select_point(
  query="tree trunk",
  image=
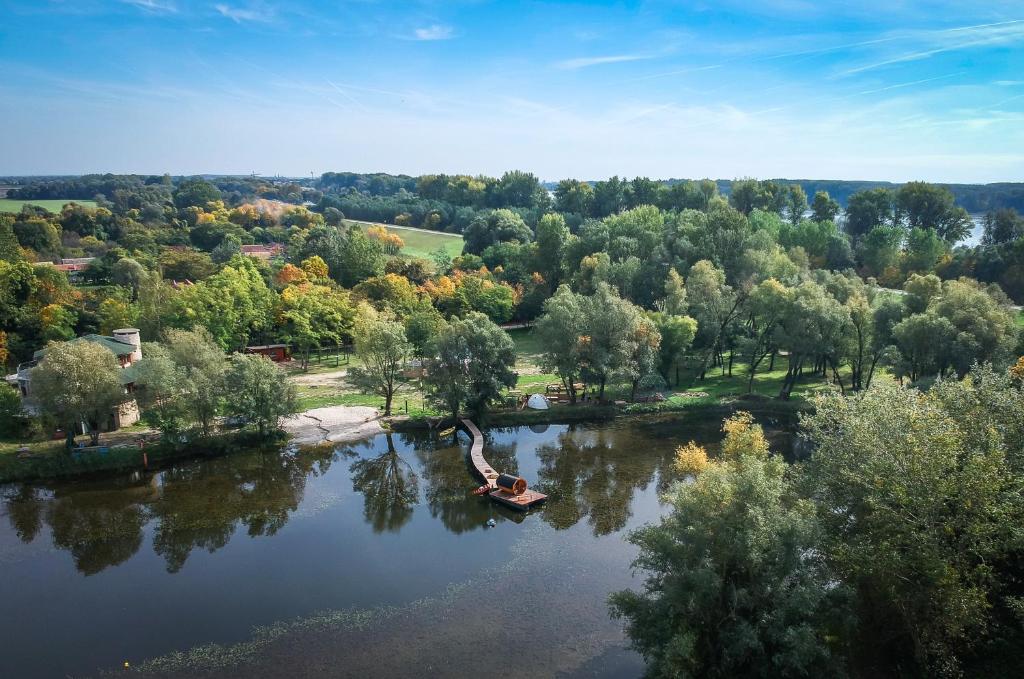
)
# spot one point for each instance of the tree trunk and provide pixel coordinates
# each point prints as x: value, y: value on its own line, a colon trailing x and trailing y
x: 69, y: 437
x: 792, y: 375
x: 388, y: 396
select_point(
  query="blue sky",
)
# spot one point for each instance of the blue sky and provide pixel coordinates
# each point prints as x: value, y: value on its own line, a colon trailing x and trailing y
x: 872, y: 89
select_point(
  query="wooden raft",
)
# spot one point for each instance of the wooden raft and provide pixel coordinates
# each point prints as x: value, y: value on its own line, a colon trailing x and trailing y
x: 522, y: 501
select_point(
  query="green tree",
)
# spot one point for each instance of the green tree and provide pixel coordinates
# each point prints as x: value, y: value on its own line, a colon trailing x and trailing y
x: 924, y: 250
x: 796, y: 203
x: 824, y: 208
x: 574, y: 197
x: 552, y: 237
x: 869, y: 208
x: 258, y: 391
x: 498, y: 226
x: 614, y: 330
x: 128, y: 273
x: 1001, y: 226
x: 736, y: 585
x: 78, y: 383
x: 919, y: 495
x: 813, y: 327
x: 674, y: 302
x: 383, y: 349
x: 203, y: 364
x: 10, y: 250
x: 561, y: 330
x: 880, y: 248
x: 226, y: 249
x: 313, y: 315
x: 232, y: 304
x: 715, y: 306
x: 927, y: 206
x: 161, y: 391
x: 471, y: 363
x: 195, y: 193
x: 677, y: 333
x: 769, y: 302
x: 421, y: 327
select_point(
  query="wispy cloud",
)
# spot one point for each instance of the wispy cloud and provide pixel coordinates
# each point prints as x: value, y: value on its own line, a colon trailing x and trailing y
x: 950, y: 40
x: 155, y: 6
x: 254, y: 13
x: 433, y: 32
x: 586, y: 62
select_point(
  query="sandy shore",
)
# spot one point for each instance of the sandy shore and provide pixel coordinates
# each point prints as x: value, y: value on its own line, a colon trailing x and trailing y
x: 333, y: 424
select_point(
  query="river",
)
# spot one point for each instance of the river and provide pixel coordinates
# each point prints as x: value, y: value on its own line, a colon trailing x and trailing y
x: 364, y: 559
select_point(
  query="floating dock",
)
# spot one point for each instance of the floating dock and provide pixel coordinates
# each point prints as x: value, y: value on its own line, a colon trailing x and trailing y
x: 521, y: 501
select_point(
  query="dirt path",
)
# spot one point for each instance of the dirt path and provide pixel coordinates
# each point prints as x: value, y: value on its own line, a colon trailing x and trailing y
x: 327, y: 379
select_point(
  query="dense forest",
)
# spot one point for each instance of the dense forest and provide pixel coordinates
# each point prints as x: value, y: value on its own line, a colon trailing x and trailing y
x: 166, y: 252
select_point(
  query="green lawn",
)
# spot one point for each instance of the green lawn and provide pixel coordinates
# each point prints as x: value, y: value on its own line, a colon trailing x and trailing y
x: 9, y: 205
x: 421, y: 242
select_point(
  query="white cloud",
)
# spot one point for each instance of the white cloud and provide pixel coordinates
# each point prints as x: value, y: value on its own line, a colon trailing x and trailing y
x: 152, y: 5
x: 434, y: 32
x: 585, y: 62
x: 255, y: 13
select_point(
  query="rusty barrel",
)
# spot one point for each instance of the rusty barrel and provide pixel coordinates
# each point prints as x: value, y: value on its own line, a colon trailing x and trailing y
x: 515, y: 485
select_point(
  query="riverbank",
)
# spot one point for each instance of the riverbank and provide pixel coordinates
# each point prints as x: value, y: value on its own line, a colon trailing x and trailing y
x: 786, y: 412
x: 339, y: 424
x: 56, y: 462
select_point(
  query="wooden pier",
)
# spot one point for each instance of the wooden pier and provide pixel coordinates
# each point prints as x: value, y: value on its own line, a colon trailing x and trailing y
x: 522, y: 501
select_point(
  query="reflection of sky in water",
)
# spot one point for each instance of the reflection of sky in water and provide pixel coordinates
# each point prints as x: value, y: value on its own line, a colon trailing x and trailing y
x: 203, y: 552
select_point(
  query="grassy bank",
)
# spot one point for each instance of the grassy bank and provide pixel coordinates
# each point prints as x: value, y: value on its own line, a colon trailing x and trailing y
x: 54, y: 461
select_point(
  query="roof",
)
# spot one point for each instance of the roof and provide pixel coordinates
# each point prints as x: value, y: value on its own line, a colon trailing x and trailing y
x: 272, y: 248
x: 116, y: 346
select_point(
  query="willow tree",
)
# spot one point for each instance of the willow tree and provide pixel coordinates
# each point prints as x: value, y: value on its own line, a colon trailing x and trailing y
x: 383, y: 349
x: 78, y: 383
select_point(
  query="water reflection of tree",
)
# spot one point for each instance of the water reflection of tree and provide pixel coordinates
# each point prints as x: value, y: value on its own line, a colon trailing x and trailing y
x: 194, y: 505
x: 594, y: 474
x: 449, y: 478
x: 99, y: 529
x: 389, y: 486
x: 25, y: 512
x: 201, y: 504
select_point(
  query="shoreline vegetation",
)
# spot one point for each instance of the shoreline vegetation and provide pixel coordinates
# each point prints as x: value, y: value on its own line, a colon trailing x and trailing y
x: 50, y: 460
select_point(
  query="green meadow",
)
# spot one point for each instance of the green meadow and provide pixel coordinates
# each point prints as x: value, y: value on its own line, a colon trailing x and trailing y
x: 421, y: 242
x: 11, y: 205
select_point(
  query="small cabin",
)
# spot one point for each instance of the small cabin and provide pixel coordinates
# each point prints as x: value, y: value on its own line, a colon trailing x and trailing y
x: 278, y: 353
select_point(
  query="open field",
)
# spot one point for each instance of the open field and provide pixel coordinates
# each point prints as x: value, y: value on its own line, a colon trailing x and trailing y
x: 420, y: 242
x: 11, y: 205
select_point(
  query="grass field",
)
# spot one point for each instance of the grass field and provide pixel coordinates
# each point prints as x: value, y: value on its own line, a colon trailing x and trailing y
x: 421, y: 242
x: 9, y: 205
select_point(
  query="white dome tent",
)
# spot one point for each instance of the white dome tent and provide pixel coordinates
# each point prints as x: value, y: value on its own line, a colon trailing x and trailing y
x: 537, y: 402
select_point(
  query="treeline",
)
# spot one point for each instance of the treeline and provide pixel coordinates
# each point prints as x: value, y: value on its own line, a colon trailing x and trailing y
x: 139, y: 190
x: 974, y: 198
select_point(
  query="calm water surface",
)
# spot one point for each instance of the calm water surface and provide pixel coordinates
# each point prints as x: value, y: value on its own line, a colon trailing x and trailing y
x: 370, y: 558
